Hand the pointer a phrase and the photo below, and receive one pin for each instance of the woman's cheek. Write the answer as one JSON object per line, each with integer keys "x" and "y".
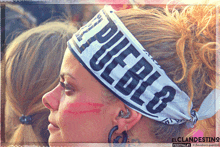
{"x": 79, "y": 117}
{"x": 80, "y": 111}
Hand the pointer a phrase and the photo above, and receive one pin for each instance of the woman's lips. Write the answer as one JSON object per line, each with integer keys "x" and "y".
{"x": 53, "y": 127}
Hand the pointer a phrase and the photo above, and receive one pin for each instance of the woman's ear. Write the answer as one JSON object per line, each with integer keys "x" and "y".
{"x": 126, "y": 118}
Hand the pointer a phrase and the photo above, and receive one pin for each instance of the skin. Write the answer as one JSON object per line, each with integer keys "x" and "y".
{"x": 83, "y": 108}
{"x": 77, "y": 110}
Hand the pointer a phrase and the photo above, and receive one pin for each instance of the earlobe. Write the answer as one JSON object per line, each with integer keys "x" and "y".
{"x": 126, "y": 123}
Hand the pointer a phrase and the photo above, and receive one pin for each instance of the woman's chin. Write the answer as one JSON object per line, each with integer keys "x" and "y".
{"x": 55, "y": 139}
{"x": 60, "y": 144}
{"x": 56, "y": 144}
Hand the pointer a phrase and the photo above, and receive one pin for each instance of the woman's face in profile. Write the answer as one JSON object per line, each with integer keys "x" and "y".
{"x": 77, "y": 110}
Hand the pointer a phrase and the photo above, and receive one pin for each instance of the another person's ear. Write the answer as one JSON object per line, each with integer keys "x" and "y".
{"x": 125, "y": 118}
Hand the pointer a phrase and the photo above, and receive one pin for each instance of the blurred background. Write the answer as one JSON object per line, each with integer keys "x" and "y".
{"x": 22, "y": 16}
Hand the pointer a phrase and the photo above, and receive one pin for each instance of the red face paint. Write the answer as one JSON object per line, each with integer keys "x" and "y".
{"x": 82, "y": 108}
{"x": 80, "y": 115}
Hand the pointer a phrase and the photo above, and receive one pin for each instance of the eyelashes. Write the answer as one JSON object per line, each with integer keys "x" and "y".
{"x": 62, "y": 84}
{"x": 68, "y": 89}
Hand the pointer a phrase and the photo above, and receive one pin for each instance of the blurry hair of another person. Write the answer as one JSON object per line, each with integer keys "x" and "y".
{"x": 32, "y": 64}
{"x": 17, "y": 20}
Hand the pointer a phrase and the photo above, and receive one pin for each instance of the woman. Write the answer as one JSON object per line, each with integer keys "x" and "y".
{"x": 32, "y": 64}
{"x": 111, "y": 85}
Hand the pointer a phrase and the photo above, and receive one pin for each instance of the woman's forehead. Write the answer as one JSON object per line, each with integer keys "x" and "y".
{"x": 69, "y": 64}
{"x": 69, "y": 59}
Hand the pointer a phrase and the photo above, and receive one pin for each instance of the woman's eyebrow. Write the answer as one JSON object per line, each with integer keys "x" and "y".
{"x": 64, "y": 74}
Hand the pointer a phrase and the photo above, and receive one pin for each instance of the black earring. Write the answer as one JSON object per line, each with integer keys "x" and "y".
{"x": 116, "y": 140}
{"x": 122, "y": 115}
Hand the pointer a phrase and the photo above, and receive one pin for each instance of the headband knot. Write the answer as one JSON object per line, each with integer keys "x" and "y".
{"x": 193, "y": 120}
{"x": 208, "y": 108}
{"x": 26, "y": 120}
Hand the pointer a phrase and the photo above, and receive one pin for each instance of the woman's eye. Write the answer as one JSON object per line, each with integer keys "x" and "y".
{"x": 67, "y": 87}
{"x": 62, "y": 85}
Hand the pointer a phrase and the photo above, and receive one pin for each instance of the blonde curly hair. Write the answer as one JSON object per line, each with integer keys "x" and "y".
{"x": 183, "y": 41}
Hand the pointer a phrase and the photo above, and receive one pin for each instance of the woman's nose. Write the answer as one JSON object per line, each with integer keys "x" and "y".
{"x": 52, "y": 98}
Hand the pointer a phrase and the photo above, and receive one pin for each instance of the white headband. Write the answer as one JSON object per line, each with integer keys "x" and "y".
{"x": 107, "y": 49}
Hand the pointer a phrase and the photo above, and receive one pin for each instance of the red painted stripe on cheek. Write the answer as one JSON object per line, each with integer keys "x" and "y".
{"x": 83, "y": 108}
